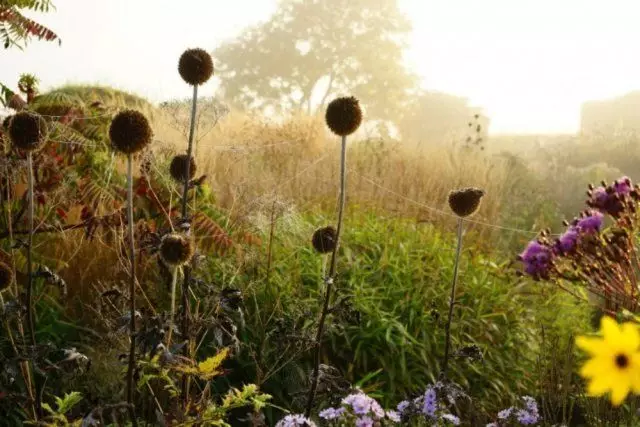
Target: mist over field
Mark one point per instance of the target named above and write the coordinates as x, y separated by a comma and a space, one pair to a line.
319, 213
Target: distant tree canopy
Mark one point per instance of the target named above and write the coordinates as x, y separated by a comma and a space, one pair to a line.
612, 116
16, 29
313, 50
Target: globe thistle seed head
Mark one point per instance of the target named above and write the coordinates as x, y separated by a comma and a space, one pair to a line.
343, 115
465, 201
176, 249
195, 66
27, 130
6, 121
178, 168
130, 132
6, 276
324, 239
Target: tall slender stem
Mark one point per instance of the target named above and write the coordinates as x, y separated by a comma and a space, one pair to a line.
445, 360
174, 277
30, 320
132, 290
187, 268
328, 281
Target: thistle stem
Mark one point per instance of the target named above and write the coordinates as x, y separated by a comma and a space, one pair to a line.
174, 276
132, 290
30, 320
187, 269
328, 281
447, 344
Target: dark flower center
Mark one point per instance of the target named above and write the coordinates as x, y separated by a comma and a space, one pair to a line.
622, 361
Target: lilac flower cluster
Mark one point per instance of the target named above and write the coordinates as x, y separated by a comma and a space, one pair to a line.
295, 421
359, 410
526, 414
428, 407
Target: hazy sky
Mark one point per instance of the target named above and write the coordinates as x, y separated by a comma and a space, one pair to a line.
529, 63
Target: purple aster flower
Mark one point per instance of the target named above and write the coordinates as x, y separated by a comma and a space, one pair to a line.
591, 223
393, 416
532, 405
451, 418
295, 421
526, 418
402, 406
623, 185
429, 404
505, 413
377, 410
360, 402
331, 413
567, 241
537, 258
364, 422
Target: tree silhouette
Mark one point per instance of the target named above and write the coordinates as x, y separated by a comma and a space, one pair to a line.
311, 51
16, 29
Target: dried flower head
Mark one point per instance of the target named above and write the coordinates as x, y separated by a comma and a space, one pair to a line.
27, 131
6, 276
130, 132
195, 66
465, 201
178, 168
324, 239
176, 249
6, 121
344, 115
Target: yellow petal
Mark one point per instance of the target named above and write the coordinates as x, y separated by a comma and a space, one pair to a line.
619, 392
631, 336
610, 329
598, 386
594, 367
591, 345
635, 373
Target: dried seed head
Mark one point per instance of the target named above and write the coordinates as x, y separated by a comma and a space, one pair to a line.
465, 201
6, 121
27, 131
176, 249
130, 132
6, 276
324, 239
178, 168
343, 115
195, 66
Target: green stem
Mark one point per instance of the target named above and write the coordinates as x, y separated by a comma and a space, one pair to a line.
174, 276
447, 345
328, 281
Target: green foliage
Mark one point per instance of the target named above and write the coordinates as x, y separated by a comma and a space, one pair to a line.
313, 45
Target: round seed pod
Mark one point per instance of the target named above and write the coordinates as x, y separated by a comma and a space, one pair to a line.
195, 66
6, 121
27, 131
178, 168
6, 276
324, 239
176, 249
343, 115
130, 132
465, 201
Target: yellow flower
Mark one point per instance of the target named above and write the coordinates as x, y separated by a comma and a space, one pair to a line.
615, 360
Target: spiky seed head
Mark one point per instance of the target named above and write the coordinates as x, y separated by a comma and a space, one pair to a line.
324, 239
195, 66
6, 121
465, 201
344, 115
176, 249
27, 130
6, 276
178, 168
130, 132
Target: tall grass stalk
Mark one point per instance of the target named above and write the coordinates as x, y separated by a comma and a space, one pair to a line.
447, 343
132, 289
328, 281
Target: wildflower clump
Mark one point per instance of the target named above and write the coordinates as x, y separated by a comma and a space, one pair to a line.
295, 420
358, 409
524, 413
614, 364
431, 406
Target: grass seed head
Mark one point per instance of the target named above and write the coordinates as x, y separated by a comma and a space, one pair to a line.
195, 66
6, 276
27, 131
324, 239
344, 115
176, 249
130, 132
465, 201
178, 168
